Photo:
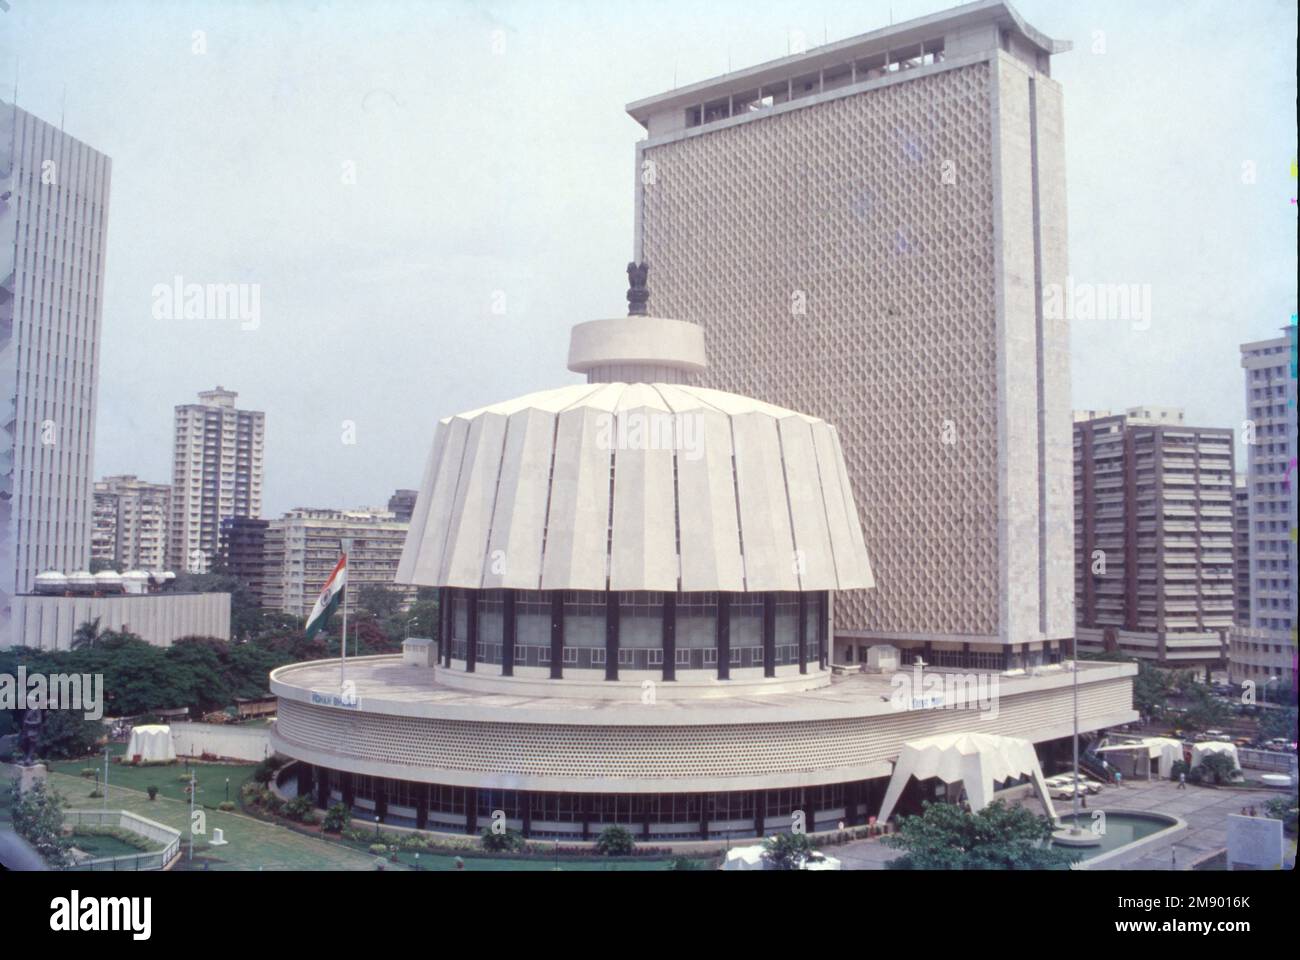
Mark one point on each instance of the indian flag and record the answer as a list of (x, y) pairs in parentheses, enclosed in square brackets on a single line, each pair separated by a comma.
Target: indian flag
[(331, 596)]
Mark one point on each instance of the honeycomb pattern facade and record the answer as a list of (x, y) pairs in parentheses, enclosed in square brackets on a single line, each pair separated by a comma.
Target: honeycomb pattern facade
[(845, 259), (647, 757)]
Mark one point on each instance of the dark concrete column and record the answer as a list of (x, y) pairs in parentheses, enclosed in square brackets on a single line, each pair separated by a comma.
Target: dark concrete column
[(769, 634), (611, 634), (557, 634), (508, 633), (645, 820), (322, 788), (471, 630), (803, 632), (852, 793), (670, 636), (585, 806), (526, 812), (347, 787), (380, 797), (446, 622), (760, 811), (823, 631), (704, 816), (471, 811), (724, 636), (422, 807), (304, 779)]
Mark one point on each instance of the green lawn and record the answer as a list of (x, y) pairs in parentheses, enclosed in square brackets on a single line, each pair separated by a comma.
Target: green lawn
[(257, 845), (253, 845), (102, 845), (432, 861), (211, 777)]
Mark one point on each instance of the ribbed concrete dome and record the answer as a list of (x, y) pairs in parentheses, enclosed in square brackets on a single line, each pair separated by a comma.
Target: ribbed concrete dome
[(710, 491)]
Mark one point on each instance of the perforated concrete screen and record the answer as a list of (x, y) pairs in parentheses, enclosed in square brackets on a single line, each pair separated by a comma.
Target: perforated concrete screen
[(874, 260), (426, 748)]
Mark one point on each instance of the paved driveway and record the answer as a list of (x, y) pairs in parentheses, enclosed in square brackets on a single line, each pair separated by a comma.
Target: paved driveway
[(1205, 809)]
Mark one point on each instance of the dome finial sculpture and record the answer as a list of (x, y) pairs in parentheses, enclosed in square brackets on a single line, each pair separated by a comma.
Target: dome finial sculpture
[(638, 294)]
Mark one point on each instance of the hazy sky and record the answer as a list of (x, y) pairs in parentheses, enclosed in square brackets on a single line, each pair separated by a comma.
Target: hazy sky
[(491, 153)]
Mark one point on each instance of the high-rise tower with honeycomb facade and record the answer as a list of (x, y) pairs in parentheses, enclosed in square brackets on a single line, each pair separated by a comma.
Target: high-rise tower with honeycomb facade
[(865, 231)]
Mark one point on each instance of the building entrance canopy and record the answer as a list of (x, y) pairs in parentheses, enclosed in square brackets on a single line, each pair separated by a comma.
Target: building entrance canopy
[(976, 760)]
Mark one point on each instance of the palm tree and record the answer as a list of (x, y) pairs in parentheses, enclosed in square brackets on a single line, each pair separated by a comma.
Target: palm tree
[(87, 634)]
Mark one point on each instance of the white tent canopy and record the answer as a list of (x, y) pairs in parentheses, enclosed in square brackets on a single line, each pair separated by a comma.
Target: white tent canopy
[(151, 743), (1202, 750), (751, 858), (976, 760), (744, 858), (1167, 751)]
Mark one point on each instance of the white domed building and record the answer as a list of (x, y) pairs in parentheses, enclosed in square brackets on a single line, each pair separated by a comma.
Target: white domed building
[(636, 580)]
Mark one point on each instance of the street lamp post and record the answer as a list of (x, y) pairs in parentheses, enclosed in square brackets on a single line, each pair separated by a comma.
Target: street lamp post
[(192, 792), (1074, 686), (1266, 683)]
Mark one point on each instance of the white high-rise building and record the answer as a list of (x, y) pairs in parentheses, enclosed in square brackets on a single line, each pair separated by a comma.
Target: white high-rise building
[(131, 520), (1266, 647), (54, 193), (870, 231), (302, 547), (216, 475)]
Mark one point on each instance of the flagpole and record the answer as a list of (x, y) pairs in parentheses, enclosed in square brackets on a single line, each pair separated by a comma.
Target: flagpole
[(345, 547)]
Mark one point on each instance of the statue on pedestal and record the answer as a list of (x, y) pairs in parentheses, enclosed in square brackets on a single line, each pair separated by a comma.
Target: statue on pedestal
[(30, 738), (638, 296)]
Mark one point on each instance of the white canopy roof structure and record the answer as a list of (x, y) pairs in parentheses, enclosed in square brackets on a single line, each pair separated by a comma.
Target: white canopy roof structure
[(1202, 750), (151, 743), (976, 760), (744, 858), (751, 858), (1166, 750), (635, 486)]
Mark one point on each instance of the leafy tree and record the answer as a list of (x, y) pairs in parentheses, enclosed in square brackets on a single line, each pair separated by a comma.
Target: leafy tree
[(245, 610), (998, 837), (87, 635), (336, 818), (298, 809), (1278, 722), (66, 734), (37, 817), (1286, 809), (1204, 711), (424, 611), (379, 601), (786, 850), (614, 841), (1152, 688), (1215, 768), (504, 842)]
